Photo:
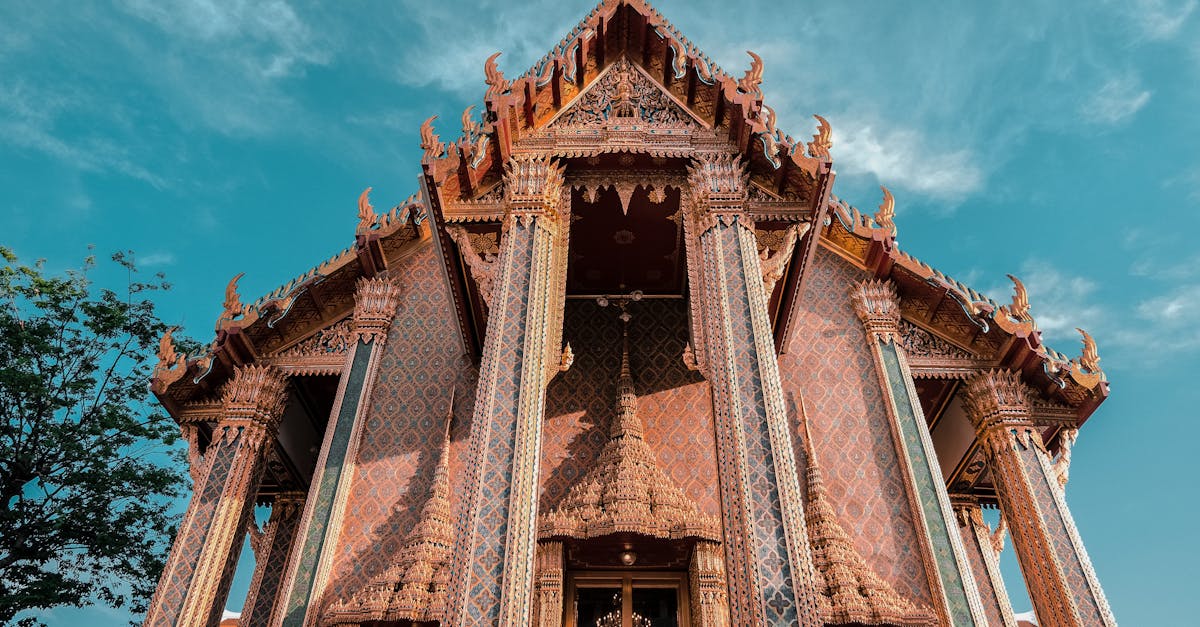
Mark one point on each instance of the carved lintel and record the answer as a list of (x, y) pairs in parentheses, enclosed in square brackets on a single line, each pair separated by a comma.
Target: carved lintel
[(375, 302), (878, 306)]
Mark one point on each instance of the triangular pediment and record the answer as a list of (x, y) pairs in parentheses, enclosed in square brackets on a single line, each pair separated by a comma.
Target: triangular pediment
[(625, 95)]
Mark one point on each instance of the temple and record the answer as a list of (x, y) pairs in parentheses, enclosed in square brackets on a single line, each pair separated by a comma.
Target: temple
[(624, 359)]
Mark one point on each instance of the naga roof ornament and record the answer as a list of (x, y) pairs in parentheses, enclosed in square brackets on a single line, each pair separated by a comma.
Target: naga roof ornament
[(366, 213), (1015, 317), (886, 217), (751, 82), (496, 83), (822, 142)]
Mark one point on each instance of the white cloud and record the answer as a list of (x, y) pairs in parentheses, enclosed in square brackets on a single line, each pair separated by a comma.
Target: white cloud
[(269, 36), (1160, 19), (1119, 98), (903, 158), (157, 259)]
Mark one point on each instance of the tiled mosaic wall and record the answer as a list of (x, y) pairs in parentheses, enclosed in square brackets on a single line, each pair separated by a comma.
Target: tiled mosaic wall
[(403, 431), (830, 363)]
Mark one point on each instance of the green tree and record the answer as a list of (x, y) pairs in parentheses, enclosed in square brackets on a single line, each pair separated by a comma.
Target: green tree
[(86, 470)]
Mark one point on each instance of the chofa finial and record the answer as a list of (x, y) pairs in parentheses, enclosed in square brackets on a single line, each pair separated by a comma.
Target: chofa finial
[(1090, 358), (430, 142), (366, 213), (1019, 309), (233, 303), (885, 218), (751, 83), (496, 83), (822, 142)]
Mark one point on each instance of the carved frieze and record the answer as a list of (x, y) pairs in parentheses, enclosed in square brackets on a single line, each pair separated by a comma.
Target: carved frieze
[(624, 95)]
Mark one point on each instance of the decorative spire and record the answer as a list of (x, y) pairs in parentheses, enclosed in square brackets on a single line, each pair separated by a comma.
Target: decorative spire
[(851, 593), (414, 587), (626, 492)]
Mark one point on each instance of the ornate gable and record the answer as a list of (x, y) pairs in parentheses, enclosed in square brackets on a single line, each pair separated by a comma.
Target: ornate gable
[(624, 94)]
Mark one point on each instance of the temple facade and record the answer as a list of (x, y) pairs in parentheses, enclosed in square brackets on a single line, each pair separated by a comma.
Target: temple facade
[(626, 360)]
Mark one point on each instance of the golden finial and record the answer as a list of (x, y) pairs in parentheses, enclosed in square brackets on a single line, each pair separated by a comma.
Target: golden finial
[(885, 218), (1019, 309), (494, 78), (1090, 358), (366, 213), (751, 83), (430, 143), (233, 304), (822, 142)]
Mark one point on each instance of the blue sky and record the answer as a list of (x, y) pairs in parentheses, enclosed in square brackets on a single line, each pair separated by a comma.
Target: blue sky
[(1054, 141)]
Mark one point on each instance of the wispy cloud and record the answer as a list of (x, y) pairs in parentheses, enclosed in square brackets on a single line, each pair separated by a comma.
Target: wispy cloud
[(1118, 99), (1160, 19), (157, 259), (902, 158)]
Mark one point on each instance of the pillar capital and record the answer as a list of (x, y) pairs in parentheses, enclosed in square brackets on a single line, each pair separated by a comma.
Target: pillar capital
[(878, 306), (375, 302), (719, 185), (533, 186), (996, 399), (255, 394)]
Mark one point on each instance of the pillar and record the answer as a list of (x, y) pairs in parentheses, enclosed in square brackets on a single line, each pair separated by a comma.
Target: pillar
[(272, 549), (706, 580), (1058, 573), (770, 569), (549, 586), (195, 582), (375, 304), (956, 597), (984, 560), (492, 576)]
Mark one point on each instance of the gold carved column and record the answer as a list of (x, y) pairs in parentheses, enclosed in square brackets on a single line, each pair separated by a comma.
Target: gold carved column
[(984, 558), (195, 583), (706, 579), (1058, 572), (956, 596), (493, 572), (549, 585), (272, 548), (375, 303), (771, 579)]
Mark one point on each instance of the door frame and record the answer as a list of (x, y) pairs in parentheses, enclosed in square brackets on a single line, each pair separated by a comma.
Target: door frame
[(627, 580)]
